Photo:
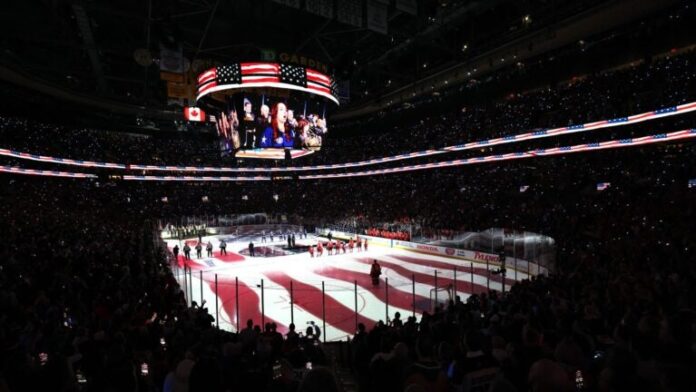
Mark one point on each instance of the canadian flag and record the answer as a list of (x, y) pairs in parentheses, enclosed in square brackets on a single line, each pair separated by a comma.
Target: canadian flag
[(193, 113)]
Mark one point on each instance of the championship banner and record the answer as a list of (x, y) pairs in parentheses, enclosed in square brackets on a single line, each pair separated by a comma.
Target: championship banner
[(178, 90), (350, 12), (377, 16), (407, 6), (172, 77), (289, 3), (320, 7), (171, 60)]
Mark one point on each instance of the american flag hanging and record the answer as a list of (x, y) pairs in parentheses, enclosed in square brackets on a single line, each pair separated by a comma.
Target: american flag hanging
[(259, 74)]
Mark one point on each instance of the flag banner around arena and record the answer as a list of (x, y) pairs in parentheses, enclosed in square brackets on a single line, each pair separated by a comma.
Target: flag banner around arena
[(580, 128), (248, 75), (611, 144), (269, 153), (44, 173)]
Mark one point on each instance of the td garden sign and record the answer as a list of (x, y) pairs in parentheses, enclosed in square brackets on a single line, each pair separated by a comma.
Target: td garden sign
[(284, 57)]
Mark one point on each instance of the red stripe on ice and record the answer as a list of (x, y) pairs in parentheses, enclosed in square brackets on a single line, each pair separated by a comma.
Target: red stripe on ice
[(428, 279), (465, 269), (309, 298), (397, 297), (249, 304), (229, 257)]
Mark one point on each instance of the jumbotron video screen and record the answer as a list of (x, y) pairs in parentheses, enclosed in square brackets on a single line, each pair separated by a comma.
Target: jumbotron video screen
[(262, 109)]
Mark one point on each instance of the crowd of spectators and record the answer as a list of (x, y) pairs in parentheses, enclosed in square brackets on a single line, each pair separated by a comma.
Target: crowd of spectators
[(85, 284), (87, 294), (393, 235), (605, 325), (89, 302)]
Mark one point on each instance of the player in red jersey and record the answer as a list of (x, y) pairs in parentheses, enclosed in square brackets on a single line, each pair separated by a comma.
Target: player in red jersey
[(365, 244), (311, 251), (351, 244), (330, 246), (320, 249), (359, 245)]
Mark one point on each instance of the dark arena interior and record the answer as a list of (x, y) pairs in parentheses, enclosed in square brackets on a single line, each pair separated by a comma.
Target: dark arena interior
[(348, 195)]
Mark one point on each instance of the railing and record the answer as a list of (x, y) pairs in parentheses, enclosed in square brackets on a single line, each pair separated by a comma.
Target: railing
[(334, 303)]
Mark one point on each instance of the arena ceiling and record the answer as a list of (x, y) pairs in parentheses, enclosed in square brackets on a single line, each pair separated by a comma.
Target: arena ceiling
[(89, 46)]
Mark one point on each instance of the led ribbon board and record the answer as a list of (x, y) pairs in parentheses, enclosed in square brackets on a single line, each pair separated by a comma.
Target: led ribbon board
[(44, 173), (610, 144), (540, 134), (240, 76)]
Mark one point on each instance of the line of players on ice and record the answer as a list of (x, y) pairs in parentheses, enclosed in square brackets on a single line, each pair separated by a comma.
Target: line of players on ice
[(337, 247), (199, 250)]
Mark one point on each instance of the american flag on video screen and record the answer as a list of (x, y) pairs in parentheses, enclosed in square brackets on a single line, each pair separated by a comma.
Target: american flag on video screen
[(293, 74), (259, 73), (245, 73), (226, 74)]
